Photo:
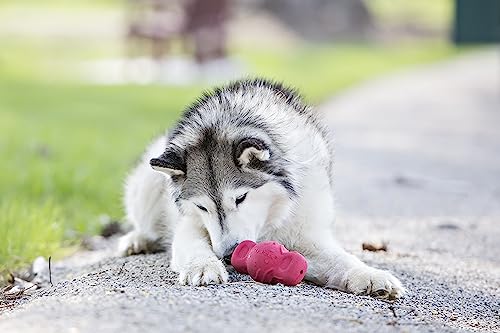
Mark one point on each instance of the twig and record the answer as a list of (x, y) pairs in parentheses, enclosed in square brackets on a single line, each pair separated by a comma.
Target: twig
[(33, 285), (17, 294), (121, 268), (50, 272), (7, 288), (393, 311)]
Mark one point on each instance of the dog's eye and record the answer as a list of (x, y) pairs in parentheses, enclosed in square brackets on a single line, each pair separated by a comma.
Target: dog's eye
[(202, 208), (240, 199)]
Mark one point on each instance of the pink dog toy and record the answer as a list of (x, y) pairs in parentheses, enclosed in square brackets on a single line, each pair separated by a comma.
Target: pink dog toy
[(269, 262)]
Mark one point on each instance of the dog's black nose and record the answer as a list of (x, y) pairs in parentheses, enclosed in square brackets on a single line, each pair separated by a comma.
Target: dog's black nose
[(229, 253)]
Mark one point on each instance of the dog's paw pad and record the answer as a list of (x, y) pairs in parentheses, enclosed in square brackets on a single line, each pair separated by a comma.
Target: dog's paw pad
[(202, 272), (374, 282)]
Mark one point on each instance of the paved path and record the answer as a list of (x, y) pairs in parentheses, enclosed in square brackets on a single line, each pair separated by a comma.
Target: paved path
[(418, 165)]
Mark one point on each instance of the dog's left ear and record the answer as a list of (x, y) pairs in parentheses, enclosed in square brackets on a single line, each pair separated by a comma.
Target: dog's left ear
[(250, 148), (170, 162)]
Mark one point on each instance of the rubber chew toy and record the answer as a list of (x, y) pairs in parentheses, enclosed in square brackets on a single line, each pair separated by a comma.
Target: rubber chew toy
[(269, 262)]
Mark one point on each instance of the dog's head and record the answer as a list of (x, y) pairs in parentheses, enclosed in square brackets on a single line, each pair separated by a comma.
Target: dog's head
[(235, 186)]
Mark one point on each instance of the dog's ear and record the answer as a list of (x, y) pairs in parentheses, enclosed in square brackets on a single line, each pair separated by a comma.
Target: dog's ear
[(170, 162), (250, 148)]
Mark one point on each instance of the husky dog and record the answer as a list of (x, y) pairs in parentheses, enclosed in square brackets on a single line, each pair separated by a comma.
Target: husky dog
[(246, 161)]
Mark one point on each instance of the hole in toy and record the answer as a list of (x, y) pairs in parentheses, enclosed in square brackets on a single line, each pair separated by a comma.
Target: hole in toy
[(301, 271)]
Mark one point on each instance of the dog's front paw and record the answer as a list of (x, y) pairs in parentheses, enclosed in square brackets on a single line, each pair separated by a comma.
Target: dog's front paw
[(374, 282), (135, 243), (201, 272)]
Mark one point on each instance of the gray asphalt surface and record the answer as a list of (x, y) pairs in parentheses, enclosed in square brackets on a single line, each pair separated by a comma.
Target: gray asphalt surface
[(418, 166)]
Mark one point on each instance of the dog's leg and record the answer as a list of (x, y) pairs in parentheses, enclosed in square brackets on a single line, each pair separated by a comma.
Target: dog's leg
[(193, 257), (331, 266), (145, 204), (328, 263), (149, 207)]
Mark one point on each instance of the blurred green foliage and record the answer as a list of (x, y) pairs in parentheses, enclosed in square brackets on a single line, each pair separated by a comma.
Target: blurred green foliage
[(429, 14)]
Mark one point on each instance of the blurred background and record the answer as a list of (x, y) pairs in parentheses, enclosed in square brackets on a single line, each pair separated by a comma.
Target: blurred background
[(85, 84)]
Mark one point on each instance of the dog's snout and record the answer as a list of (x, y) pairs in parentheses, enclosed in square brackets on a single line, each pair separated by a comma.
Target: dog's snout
[(229, 253)]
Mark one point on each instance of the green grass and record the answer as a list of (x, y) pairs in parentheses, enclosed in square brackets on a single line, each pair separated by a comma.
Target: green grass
[(41, 232), (65, 146)]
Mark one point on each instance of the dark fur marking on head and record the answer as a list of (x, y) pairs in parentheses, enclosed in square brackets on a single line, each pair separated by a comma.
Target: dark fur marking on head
[(289, 187), (272, 167), (208, 145)]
